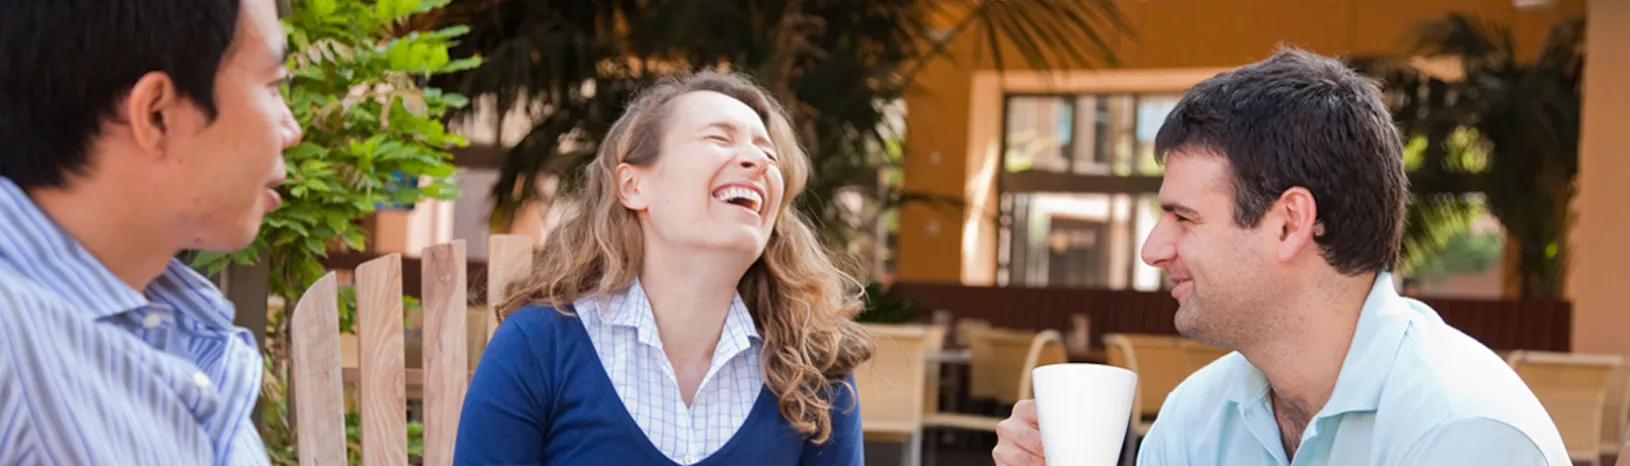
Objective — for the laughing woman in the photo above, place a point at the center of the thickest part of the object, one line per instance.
(682, 314)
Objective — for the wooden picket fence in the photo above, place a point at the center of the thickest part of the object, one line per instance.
(450, 348)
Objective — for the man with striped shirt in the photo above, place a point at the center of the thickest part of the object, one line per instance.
(131, 130)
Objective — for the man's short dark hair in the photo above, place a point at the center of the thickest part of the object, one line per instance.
(1300, 119)
(65, 63)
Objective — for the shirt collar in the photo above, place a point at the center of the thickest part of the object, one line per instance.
(632, 309)
(34, 244)
(185, 290)
(1381, 326)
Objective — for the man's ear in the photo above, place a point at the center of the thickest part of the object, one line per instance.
(1298, 218)
(629, 190)
(149, 109)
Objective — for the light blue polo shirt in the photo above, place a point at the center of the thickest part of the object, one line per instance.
(1412, 391)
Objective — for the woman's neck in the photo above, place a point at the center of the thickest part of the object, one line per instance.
(690, 296)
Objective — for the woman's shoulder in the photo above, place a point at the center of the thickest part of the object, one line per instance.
(537, 339)
(537, 323)
(535, 318)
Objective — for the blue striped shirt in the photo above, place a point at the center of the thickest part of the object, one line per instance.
(94, 372)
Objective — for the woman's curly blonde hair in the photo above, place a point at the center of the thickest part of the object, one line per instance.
(802, 303)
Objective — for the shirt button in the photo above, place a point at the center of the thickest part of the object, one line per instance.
(201, 380)
(152, 320)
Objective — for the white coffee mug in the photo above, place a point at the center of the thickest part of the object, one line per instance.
(1084, 410)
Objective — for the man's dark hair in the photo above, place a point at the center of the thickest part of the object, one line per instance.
(65, 63)
(1300, 119)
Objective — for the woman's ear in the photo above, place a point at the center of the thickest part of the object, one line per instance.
(628, 187)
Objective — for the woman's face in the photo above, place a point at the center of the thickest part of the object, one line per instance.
(715, 184)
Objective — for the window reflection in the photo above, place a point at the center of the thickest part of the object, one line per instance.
(1087, 228)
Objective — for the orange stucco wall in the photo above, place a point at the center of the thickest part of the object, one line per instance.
(1597, 279)
(951, 108)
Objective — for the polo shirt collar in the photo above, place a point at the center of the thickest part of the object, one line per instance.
(1381, 327)
(1382, 323)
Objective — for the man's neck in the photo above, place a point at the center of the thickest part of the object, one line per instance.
(1304, 357)
(105, 227)
(690, 296)
(1292, 419)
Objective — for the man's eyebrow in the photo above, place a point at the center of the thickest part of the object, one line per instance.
(1178, 208)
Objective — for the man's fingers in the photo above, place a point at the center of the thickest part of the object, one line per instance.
(1021, 434)
(1019, 438)
(1027, 432)
(1026, 410)
(1007, 455)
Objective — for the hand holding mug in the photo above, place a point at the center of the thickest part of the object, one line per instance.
(1081, 413)
(1018, 438)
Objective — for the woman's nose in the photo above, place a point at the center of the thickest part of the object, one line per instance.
(752, 159)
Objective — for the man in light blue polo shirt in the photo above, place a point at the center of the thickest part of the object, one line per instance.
(1284, 195)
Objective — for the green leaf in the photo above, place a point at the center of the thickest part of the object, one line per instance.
(305, 150)
(355, 240)
(398, 56)
(322, 8)
(300, 213)
(419, 56)
(450, 32)
(297, 38)
(313, 246)
(458, 140)
(427, 5)
(462, 64)
(451, 99)
(388, 11)
(414, 103)
(338, 222)
(451, 191)
(203, 258)
(436, 57)
(439, 170)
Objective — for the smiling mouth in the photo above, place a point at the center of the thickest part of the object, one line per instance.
(1178, 291)
(740, 197)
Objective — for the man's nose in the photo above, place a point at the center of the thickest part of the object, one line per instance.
(290, 130)
(1158, 248)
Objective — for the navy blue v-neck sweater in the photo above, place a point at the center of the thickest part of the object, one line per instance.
(541, 397)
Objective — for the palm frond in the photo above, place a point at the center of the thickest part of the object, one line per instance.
(1564, 48)
(834, 64)
(1480, 45)
(1431, 221)
(1506, 129)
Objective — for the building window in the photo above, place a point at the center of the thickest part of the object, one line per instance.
(1078, 190)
